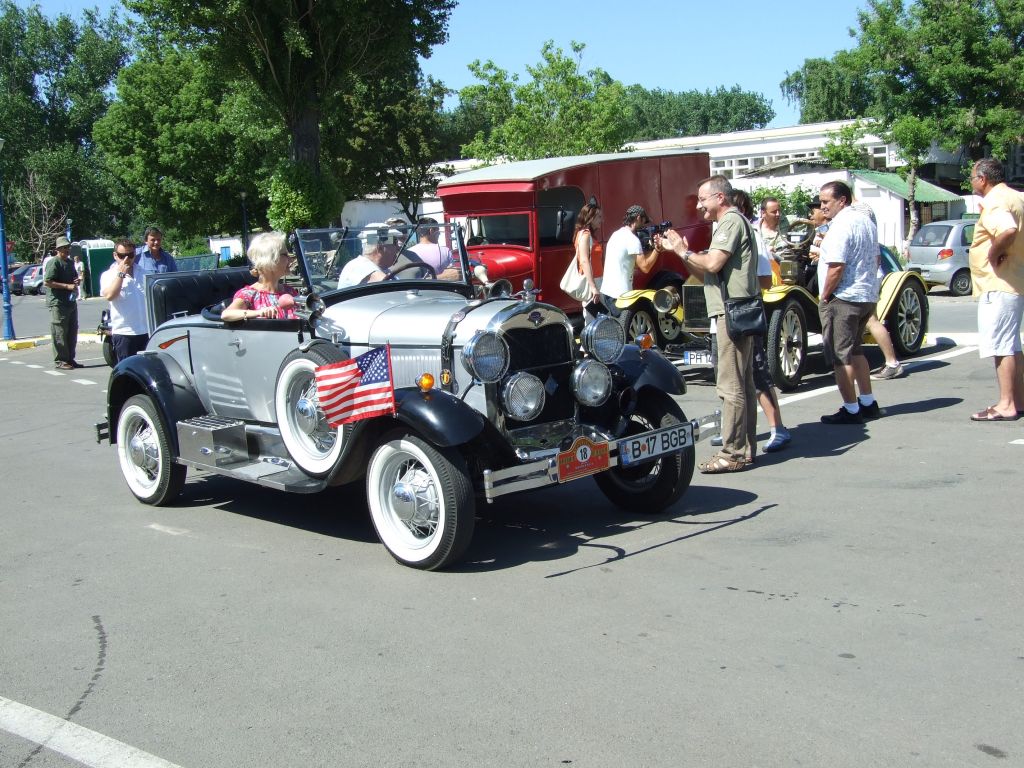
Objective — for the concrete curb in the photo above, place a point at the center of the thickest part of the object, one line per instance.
(41, 341)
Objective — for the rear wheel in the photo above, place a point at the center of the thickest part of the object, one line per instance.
(421, 501)
(144, 452)
(654, 485)
(787, 345)
(908, 319)
(960, 285)
(315, 446)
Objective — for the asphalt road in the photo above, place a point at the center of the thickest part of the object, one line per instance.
(852, 601)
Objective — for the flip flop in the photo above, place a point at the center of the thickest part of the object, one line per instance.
(989, 415)
(719, 464)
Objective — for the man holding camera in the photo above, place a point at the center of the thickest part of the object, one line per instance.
(122, 286)
(623, 254)
(62, 281)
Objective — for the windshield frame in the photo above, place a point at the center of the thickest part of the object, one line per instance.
(326, 286)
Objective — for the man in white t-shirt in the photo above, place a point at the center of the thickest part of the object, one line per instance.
(848, 287)
(380, 251)
(122, 286)
(623, 255)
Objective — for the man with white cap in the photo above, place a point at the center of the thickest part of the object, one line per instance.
(380, 251)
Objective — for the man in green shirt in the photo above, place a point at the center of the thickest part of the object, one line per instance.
(62, 281)
(731, 260)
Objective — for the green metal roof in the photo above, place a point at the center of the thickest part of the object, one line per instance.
(924, 192)
(528, 170)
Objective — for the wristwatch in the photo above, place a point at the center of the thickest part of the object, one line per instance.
(122, 275)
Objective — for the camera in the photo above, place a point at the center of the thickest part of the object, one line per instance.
(646, 234)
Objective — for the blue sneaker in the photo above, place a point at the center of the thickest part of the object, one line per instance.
(778, 442)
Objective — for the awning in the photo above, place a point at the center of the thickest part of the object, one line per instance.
(924, 191)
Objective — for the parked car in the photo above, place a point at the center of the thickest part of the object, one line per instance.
(17, 278)
(32, 282)
(492, 395)
(791, 312)
(939, 253)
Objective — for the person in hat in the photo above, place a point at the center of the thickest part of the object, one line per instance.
(62, 283)
(380, 251)
(623, 255)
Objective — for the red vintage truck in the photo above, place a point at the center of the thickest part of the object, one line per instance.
(521, 217)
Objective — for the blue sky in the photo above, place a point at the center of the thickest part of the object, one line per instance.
(665, 44)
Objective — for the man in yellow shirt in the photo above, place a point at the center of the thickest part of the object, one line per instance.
(997, 271)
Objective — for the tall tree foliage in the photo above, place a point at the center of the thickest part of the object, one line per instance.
(560, 110)
(54, 84)
(184, 142)
(301, 56)
(828, 89)
(660, 114)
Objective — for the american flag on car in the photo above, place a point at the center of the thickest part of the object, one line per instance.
(356, 389)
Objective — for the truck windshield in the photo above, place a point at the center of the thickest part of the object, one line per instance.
(500, 229)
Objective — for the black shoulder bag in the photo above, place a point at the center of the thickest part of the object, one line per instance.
(745, 316)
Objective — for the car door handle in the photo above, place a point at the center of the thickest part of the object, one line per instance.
(236, 343)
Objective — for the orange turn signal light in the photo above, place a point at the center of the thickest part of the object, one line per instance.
(425, 382)
(645, 341)
(945, 253)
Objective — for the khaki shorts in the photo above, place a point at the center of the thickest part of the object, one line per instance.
(842, 329)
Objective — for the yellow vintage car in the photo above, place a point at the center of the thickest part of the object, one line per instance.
(681, 324)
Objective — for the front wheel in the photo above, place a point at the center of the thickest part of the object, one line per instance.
(787, 345)
(421, 501)
(654, 485)
(908, 319)
(315, 446)
(144, 452)
(638, 320)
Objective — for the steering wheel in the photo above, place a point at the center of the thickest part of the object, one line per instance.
(416, 265)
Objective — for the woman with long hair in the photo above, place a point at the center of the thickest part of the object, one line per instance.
(583, 240)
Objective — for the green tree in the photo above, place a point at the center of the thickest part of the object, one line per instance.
(184, 143)
(660, 114)
(792, 202)
(828, 89)
(301, 58)
(561, 110)
(54, 84)
(842, 149)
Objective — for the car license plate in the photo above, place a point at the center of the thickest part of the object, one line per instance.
(585, 457)
(696, 357)
(654, 444)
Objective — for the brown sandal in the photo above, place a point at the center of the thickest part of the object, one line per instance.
(719, 464)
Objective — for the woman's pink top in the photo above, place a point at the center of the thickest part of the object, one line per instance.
(257, 298)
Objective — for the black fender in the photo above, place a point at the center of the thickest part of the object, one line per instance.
(162, 379)
(439, 416)
(639, 369)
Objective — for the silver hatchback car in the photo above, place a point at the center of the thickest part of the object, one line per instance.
(939, 252)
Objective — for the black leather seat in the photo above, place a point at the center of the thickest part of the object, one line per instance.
(189, 293)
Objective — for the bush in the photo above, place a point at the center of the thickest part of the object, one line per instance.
(792, 203)
(300, 198)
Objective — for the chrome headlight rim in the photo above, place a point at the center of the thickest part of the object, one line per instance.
(604, 339)
(512, 389)
(583, 378)
(475, 357)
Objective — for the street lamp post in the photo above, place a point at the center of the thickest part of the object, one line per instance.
(4, 267)
(245, 227)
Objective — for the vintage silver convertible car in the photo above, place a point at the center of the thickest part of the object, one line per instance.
(493, 393)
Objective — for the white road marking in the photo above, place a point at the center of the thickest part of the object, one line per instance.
(73, 741)
(53, 373)
(1017, 442)
(165, 529)
(33, 365)
(17, 362)
(84, 381)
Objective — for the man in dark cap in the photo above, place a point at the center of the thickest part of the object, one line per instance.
(623, 255)
(62, 281)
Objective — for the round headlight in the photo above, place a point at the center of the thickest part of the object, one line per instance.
(523, 396)
(592, 382)
(486, 357)
(604, 339)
